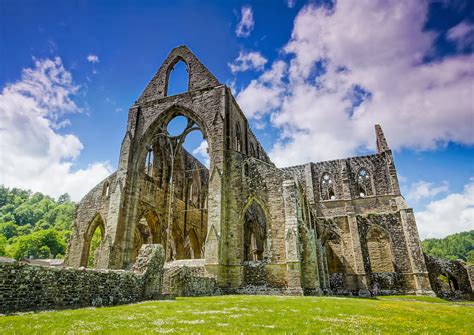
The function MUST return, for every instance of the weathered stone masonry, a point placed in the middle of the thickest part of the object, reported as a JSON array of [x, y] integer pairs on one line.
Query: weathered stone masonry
[[339, 226], [25, 287]]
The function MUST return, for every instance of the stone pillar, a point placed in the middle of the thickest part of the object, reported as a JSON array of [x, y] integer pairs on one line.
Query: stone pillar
[[322, 266], [293, 260], [309, 263], [359, 269], [417, 261], [211, 252]]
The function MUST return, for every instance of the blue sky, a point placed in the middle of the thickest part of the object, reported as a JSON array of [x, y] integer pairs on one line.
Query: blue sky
[[313, 77]]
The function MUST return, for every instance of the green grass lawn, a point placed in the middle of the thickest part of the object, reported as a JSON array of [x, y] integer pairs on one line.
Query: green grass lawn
[[255, 314]]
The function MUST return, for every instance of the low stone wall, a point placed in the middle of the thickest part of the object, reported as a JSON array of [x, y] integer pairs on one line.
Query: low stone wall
[[188, 278], [25, 287]]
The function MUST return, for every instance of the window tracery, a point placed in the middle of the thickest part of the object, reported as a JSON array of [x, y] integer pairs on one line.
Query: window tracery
[[327, 187], [364, 183]]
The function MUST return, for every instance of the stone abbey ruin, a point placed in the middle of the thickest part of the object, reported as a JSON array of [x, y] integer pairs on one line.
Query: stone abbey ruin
[[243, 225]]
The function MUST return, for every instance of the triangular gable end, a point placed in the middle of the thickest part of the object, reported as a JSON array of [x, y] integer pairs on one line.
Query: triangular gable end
[[199, 75]]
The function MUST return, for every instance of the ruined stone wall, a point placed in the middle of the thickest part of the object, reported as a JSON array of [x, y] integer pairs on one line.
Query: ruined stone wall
[[449, 279], [344, 173], [25, 287], [94, 203], [189, 278], [253, 180]]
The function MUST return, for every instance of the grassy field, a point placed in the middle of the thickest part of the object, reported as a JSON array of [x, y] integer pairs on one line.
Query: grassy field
[[255, 314]]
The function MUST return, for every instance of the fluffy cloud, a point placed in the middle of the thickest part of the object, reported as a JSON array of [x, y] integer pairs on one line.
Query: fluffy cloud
[[201, 153], [251, 60], [246, 23], [423, 190], [265, 94], [34, 154], [355, 65], [463, 35], [93, 58], [452, 214]]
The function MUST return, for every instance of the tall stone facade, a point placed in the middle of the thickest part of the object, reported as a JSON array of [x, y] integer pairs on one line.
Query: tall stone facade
[[339, 226]]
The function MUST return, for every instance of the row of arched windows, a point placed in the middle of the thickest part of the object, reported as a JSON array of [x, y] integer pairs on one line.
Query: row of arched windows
[[363, 185]]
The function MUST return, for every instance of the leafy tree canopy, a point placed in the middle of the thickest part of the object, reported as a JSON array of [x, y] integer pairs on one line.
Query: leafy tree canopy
[[456, 246], [33, 224]]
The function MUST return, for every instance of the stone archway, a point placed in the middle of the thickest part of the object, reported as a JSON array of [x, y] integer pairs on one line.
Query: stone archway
[[178, 181], [93, 241], [380, 253]]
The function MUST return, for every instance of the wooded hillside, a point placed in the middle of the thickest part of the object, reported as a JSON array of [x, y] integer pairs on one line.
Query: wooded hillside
[[456, 246], [34, 225]]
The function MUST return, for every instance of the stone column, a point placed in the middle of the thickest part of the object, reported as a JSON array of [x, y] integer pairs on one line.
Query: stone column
[[359, 269], [417, 261], [293, 259]]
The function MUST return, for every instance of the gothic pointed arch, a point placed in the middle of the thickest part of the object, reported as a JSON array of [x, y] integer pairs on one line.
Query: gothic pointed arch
[[93, 239], [379, 250], [327, 187], [177, 63], [199, 75], [255, 227], [364, 181]]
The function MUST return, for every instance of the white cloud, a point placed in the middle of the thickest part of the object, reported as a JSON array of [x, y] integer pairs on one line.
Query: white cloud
[[452, 214], [201, 152], [246, 23], [357, 65], [93, 58], [423, 190], [291, 3], [264, 94], [251, 60], [33, 153], [463, 35]]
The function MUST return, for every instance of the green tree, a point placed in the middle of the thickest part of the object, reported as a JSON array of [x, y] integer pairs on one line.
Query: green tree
[[33, 245], [95, 243], [3, 245], [470, 258], [64, 198], [8, 229]]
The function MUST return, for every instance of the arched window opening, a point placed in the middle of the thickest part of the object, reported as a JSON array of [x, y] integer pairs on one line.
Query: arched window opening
[[106, 190], [149, 161], [255, 233], [184, 155], [327, 187], [177, 125], [93, 242], [380, 254], [238, 137], [178, 79], [364, 184]]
